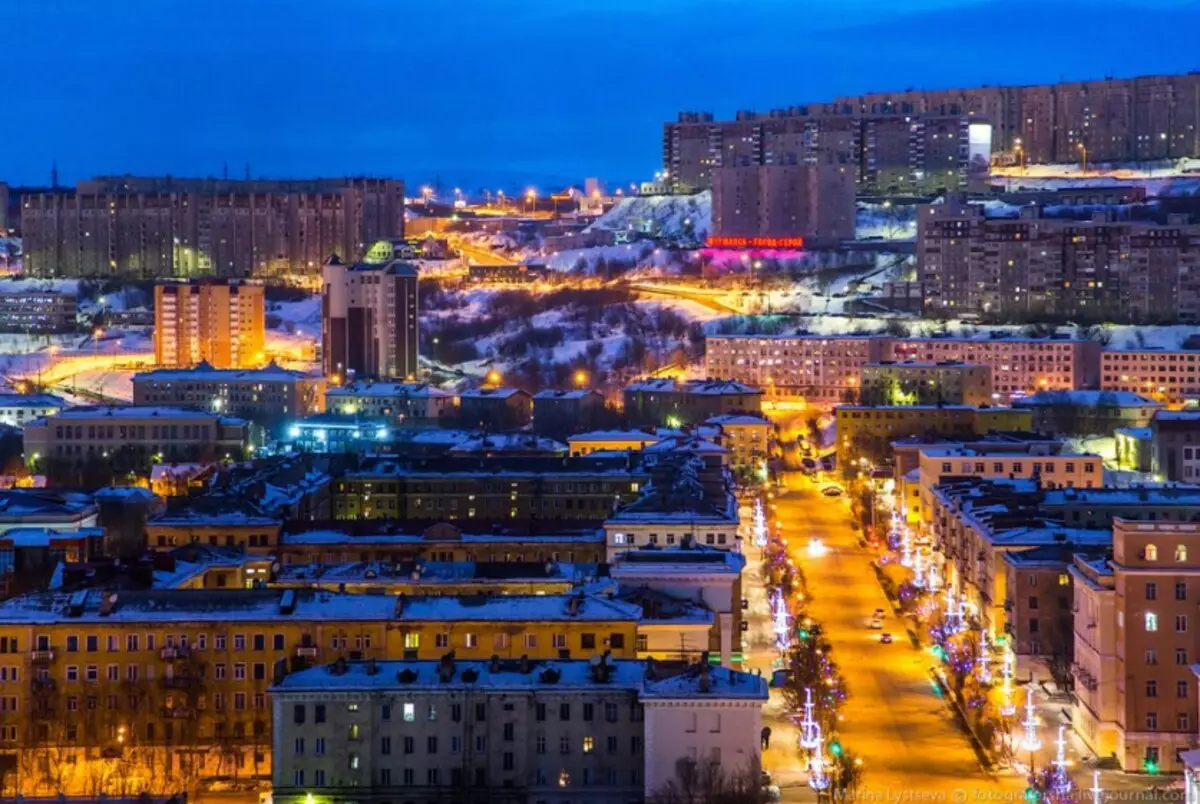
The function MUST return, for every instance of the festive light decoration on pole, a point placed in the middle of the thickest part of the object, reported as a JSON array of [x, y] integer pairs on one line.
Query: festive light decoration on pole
[[1007, 707], [782, 625], [918, 571], [984, 660], [1030, 741], [818, 779], [760, 525], [1098, 794], [906, 551], [810, 729], [954, 618], [934, 582], [1060, 782]]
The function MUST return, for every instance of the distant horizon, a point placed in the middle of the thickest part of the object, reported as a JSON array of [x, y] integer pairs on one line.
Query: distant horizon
[[490, 96]]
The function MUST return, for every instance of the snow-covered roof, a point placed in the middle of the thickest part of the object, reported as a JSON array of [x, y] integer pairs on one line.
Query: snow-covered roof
[[692, 444], [614, 435], [204, 372], [17, 503], [193, 518], [565, 394], [1091, 399], [128, 493], [259, 605], [139, 412], [341, 421], [1148, 494], [509, 442], [707, 387], [366, 388], [342, 538], [649, 680], [678, 560], [1177, 416], [31, 401], [735, 419], [1136, 433], [43, 537], [491, 393], [431, 573]]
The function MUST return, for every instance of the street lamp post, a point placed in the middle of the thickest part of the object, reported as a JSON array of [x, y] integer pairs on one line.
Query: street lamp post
[[1083, 158]]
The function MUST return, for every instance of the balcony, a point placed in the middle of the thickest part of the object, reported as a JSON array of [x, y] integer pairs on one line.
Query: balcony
[[42, 656], [44, 685], [178, 712], [307, 651], [173, 653]]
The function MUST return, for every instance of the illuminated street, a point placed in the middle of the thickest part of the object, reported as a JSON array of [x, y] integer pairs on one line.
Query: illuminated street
[[894, 718]]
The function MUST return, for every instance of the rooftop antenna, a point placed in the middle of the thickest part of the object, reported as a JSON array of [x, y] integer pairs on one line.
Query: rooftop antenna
[[225, 170], [247, 171], [54, 174]]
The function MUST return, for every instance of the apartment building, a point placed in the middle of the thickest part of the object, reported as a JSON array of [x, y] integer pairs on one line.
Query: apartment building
[[220, 323], [18, 409], [155, 227], [824, 369], [813, 201], [1135, 647], [611, 441], [748, 439], [369, 320], [76, 435], [266, 393], [496, 408], [971, 534], [1050, 466], [559, 413], [186, 672], [1019, 365], [654, 402], [865, 429], [30, 308], [509, 730], [398, 401], [1087, 412], [1168, 375], [482, 489], [1175, 445], [916, 382], [1131, 271], [884, 152]]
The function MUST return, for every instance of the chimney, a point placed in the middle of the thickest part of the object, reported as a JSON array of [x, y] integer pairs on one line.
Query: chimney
[[705, 681], [525, 663], [371, 667], [651, 670], [494, 664]]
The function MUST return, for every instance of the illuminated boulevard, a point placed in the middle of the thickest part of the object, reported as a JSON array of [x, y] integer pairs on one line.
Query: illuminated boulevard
[[895, 720]]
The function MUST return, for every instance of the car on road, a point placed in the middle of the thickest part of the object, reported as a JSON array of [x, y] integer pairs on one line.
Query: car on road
[[832, 491], [875, 623], [885, 638]]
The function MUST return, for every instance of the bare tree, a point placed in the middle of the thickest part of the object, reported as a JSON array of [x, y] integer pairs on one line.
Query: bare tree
[[709, 783]]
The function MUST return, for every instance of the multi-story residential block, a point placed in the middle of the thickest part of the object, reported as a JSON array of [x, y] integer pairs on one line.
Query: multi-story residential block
[[260, 394], [708, 577], [398, 401], [31, 308], [1051, 467], [220, 323], [1168, 375], [818, 368], [482, 489], [1020, 365], [748, 438], [76, 435], [496, 408], [884, 151], [1134, 645], [16, 410], [1031, 266], [46, 509], [441, 542], [1087, 412], [658, 521], [1175, 445], [559, 413], [916, 382], [369, 320], [654, 402], [169, 227], [187, 671], [870, 430], [970, 537], [434, 578], [513, 730], [906, 451], [813, 201]]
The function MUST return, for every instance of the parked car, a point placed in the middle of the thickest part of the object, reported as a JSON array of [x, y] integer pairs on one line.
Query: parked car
[[832, 491], [885, 638]]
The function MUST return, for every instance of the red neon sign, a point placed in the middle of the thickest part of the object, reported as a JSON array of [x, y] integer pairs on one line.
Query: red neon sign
[[755, 242]]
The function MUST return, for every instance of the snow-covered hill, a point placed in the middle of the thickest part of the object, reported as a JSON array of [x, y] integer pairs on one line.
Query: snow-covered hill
[[671, 215]]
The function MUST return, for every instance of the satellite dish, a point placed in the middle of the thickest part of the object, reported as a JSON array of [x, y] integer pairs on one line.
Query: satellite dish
[[275, 566]]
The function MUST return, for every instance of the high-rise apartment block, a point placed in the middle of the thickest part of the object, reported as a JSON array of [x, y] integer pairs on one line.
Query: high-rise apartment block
[[880, 152], [219, 322], [922, 140], [813, 201], [369, 319], [169, 227], [1030, 266]]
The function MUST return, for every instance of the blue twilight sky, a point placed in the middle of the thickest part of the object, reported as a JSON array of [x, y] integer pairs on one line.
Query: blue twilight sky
[[491, 92]]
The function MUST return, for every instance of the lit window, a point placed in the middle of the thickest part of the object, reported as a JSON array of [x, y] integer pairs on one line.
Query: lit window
[[1151, 621], [1151, 553], [412, 640], [588, 744], [410, 712], [1181, 552]]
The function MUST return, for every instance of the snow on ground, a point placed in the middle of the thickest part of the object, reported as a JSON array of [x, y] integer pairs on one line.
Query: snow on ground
[[1119, 170], [108, 384], [304, 315], [672, 215], [19, 284], [886, 222]]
